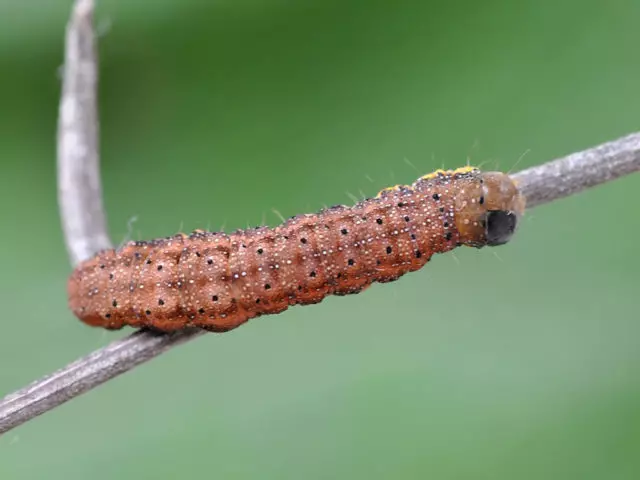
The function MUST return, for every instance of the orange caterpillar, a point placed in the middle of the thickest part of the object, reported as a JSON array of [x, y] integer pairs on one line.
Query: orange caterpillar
[[217, 281]]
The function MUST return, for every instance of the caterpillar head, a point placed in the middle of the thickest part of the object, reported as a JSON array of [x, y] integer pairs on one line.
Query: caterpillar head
[[489, 216]]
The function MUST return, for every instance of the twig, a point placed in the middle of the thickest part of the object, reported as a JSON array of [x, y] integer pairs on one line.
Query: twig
[[79, 186], [579, 171], [84, 224], [541, 184]]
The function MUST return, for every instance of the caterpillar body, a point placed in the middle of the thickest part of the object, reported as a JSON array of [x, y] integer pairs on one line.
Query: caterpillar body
[[218, 281]]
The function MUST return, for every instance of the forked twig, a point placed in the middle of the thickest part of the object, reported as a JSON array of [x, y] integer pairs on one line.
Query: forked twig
[[85, 227]]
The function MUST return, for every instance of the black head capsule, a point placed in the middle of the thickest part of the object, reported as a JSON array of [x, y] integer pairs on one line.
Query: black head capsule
[[501, 226]]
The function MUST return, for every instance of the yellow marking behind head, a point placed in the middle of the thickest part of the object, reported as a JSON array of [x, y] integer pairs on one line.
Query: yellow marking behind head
[[461, 170], [429, 176]]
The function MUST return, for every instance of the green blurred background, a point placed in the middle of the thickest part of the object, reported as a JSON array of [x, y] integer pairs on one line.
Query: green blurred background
[[518, 362]]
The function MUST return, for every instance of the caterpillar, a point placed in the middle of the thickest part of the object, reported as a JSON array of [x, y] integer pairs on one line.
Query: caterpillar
[[218, 281]]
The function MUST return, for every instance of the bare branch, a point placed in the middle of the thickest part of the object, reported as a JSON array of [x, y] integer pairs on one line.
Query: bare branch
[[580, 170], [86, 374], [541, 184], [85, 227], [79, 186]]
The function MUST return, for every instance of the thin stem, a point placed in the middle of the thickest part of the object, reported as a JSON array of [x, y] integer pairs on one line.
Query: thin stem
[[579, 171], [84, 221], [79, 187], [541, 184]]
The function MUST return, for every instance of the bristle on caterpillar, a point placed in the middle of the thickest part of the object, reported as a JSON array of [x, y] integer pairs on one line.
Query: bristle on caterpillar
[[218, 281]]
